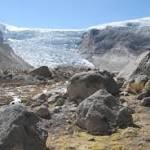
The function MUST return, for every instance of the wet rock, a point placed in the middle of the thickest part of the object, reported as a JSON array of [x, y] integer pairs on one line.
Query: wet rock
[[101, 114], [85, 84], [20, 129]]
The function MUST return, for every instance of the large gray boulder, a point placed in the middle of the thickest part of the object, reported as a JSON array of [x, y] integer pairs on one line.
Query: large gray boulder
[[84, 84], [20, 129], [101, 114]]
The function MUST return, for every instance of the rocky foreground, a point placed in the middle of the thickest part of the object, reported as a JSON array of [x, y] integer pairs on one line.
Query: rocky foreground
[[74, 109]]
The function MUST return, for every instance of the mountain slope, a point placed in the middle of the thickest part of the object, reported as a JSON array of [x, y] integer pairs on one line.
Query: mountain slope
[[112, 46], [10, 61]]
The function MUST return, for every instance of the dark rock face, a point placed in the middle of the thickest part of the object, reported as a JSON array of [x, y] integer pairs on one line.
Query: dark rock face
[[85, 84], [42, 72], [100, 114], [20, 129], [104, 46], [103, 42]]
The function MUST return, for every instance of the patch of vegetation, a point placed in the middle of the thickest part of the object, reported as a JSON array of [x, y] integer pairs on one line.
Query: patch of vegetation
[[81, 140]]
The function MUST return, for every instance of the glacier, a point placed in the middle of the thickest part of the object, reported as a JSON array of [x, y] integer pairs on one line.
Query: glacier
[[49, 47]]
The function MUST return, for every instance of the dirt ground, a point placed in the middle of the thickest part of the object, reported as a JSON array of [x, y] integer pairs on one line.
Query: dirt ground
[[132, 138]]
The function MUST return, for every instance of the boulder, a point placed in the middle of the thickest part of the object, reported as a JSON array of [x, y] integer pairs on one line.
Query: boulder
[[41, 72], [21, 129], [137, 84], [124, 117], [143, 95], [43, 112], [85, 84], [145, 102], [101, 114]]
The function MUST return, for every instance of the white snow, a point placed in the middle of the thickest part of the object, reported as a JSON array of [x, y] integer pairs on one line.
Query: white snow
[[141, 22], [16, 101], [18, 29]]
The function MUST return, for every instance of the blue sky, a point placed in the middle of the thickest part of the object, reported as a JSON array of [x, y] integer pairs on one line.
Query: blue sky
[[70, 13]]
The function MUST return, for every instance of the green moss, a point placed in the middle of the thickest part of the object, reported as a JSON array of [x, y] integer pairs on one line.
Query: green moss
[[129, 132]]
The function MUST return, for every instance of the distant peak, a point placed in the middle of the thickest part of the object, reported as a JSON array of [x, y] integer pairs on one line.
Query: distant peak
[[140, 22], [135, 22]]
